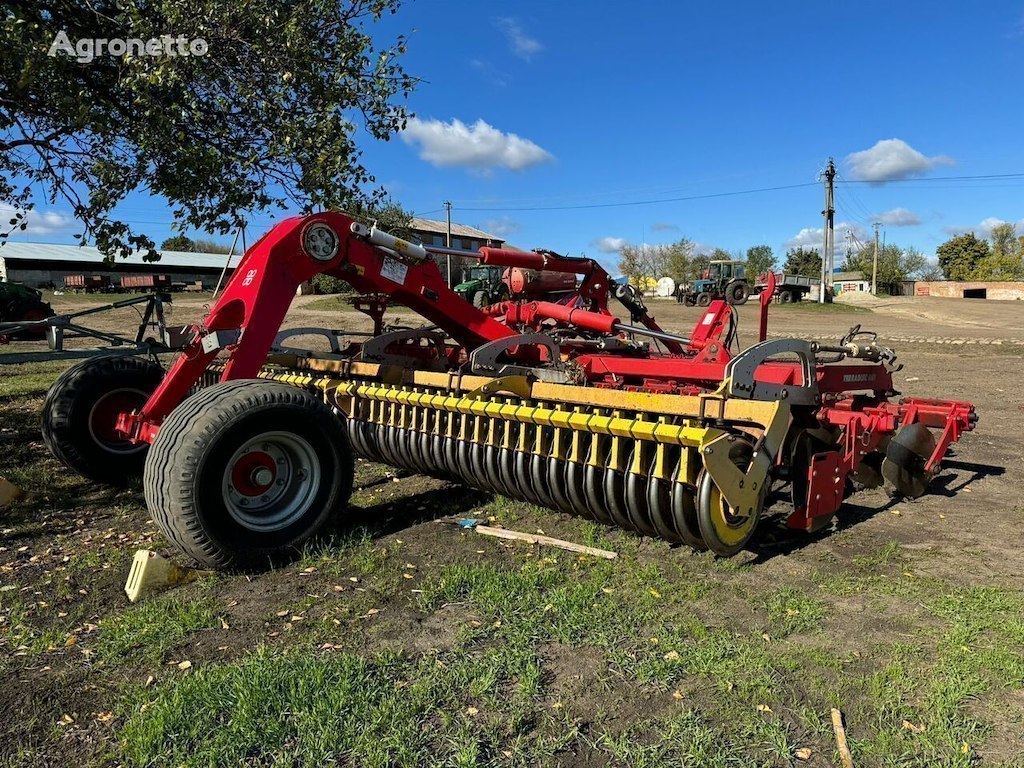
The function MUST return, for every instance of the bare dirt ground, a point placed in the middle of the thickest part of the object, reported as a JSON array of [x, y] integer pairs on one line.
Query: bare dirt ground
[[404, 640]]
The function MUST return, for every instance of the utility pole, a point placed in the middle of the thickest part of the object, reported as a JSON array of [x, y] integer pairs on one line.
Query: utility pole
[[448, 240], [874, 269], [828, 254]]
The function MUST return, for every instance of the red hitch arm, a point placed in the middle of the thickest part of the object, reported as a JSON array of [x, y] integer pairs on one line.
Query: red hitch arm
[[246, 318]]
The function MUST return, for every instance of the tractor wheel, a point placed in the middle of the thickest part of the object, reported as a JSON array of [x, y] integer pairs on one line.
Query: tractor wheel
[[738, 293], [785, 297], [480, 299], [80, 412], [704, 299], [245, 472]]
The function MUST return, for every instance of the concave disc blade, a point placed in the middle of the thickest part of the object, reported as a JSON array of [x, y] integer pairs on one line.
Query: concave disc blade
[[905, 458]]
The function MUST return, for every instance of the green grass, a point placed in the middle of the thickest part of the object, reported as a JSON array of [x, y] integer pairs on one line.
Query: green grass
[[28, 379], [151, 628]]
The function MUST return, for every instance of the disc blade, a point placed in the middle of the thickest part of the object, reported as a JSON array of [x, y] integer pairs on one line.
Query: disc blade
[[905, 459]]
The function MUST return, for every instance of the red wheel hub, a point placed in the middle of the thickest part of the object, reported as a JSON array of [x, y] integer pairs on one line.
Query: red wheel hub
[[254, 473], [104, 414]]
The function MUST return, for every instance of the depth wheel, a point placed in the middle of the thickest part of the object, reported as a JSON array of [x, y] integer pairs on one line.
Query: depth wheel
[[80, 413], [243, 473], [726, 530]]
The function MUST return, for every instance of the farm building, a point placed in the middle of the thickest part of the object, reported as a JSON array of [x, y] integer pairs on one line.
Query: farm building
[[43, 265], [850, 282], [464, 237], [970, 289]]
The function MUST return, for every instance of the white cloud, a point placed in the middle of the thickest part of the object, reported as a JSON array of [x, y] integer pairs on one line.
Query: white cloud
[[39, 222], [813, 237], [899, 217], [891, 159], [480, 146], [610, 244], [521, 44], [985, 226], [502, 227]]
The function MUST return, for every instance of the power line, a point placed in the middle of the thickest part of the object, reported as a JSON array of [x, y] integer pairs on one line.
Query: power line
[[644, 202], [989, 176]]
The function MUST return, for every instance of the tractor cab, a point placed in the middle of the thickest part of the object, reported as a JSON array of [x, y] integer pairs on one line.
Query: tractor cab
[[723, 269]]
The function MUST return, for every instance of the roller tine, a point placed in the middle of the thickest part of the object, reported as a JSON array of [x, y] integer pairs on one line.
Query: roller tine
[[684, 500], [619, 455], [555, 467], [593, 479], [636, 488], [659, 500]]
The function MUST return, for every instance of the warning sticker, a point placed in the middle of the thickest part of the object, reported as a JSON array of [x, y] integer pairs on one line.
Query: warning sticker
[[394, 270]]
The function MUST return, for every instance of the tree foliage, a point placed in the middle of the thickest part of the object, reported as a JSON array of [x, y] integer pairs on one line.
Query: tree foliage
[[677, 260], [178, 243], [960, 256], [760, 259], [894, 263], [268, 117], [802, 261]]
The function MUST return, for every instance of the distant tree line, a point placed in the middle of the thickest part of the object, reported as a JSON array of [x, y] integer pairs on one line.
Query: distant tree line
[[967, 257], [682, 262]]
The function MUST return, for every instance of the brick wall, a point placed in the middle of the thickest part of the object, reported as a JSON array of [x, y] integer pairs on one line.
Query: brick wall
[[954, 289]]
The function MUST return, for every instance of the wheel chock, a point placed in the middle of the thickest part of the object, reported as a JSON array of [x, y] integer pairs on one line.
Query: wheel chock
[[151, 573]]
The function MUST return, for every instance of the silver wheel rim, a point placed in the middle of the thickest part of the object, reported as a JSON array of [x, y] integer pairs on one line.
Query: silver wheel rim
[[271, 481]]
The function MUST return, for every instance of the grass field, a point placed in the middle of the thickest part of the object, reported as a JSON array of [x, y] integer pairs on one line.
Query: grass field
[[403, 639]]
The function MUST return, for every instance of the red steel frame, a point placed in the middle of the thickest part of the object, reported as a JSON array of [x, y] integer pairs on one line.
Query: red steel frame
[[247, 316]]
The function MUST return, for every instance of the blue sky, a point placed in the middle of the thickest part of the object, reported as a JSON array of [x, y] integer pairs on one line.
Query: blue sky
[[535, 105]]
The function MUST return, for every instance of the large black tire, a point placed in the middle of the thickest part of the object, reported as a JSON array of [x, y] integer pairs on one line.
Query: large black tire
[[203, 484], [80, 411], [786, 297], [704, 299], [737, 294], [480, 299]]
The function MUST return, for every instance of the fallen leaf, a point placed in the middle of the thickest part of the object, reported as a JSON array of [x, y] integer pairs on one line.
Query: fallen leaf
[[183, 665], [471, 711], [149, 681], [104, 717], [282, 614], [70, 641], [353, 579], [654, 592], [223, 623], [804, 753], [911, 727], [677, 695], [607, 590], [671, 656], [373, 611], [407, 575], [66, 720], [763, 708], [557, 705]]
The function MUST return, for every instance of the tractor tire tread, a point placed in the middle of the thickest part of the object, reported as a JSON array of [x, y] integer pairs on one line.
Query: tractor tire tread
[[58, 429], [172, 463]]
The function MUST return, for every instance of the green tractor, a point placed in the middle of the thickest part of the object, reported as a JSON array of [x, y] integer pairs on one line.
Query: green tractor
[[19, 302], [723, 279], [482, 286]]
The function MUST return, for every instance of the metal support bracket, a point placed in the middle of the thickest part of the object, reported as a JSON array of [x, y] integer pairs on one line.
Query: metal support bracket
[[375, 349], [745, 488], [484, 359], [741, 370]]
